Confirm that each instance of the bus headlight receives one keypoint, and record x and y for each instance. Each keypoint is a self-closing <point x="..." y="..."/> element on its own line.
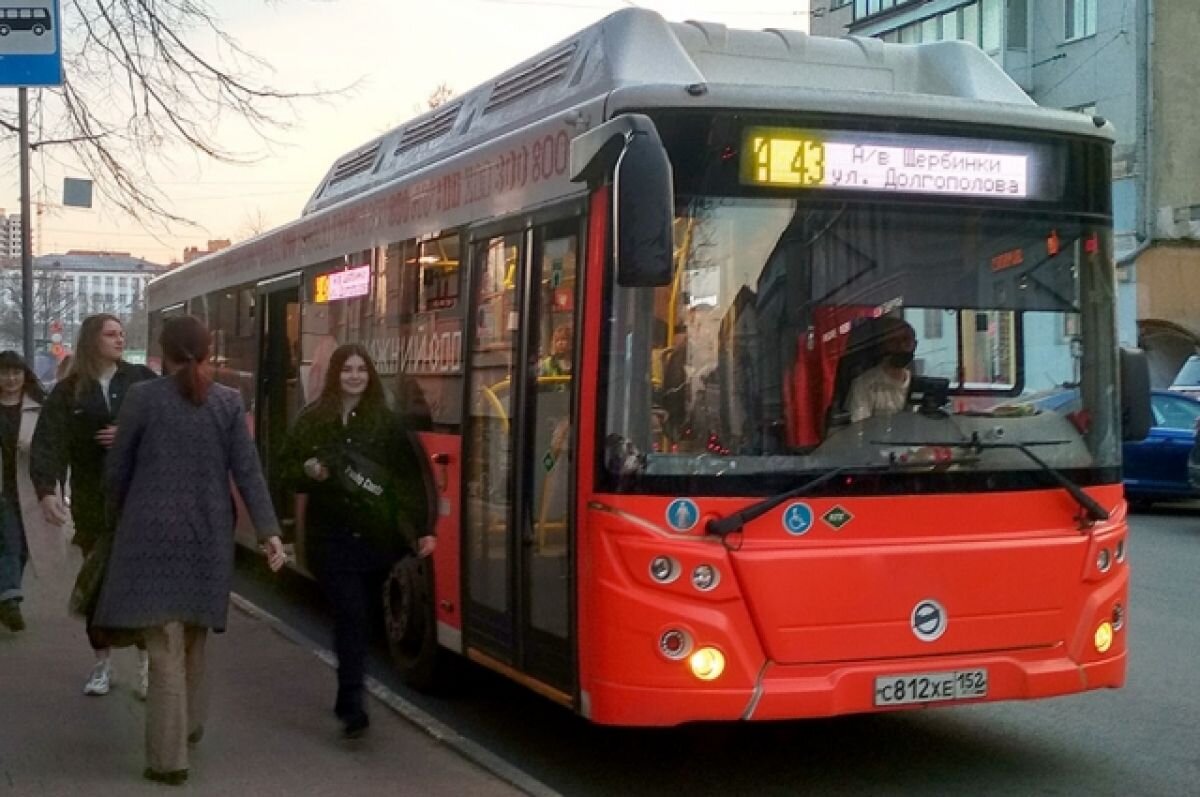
<point x="1103" y="638"/>
<point x="664" y="569"/>
<point x="705" y="577"/>
<point x="707" y="664"/>
<point x="674" y="644"/>
<point x="1103" y="560"/>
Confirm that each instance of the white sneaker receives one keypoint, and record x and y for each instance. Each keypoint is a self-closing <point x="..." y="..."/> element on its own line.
<point x="143" y="684"/>
<point x="98" y="683"/>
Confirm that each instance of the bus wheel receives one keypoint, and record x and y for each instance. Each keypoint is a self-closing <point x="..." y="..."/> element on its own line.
<point x="4" y="30"/>
<point x="38" y="30"/>
<point x="409" y="621"/>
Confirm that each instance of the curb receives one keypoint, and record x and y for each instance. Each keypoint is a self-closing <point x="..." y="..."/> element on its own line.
<point x="472" y="751"/>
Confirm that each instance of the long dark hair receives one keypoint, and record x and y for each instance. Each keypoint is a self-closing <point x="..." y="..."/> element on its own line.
<point x="330" y="400"/>
<point x="86" y="365"/>
<point x="11" y="361"/>
<point x="185" y="341"/>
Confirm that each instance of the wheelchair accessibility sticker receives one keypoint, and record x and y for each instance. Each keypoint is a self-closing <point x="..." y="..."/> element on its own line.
<point x="682" y="514"/>
<point x="797" y="519"/>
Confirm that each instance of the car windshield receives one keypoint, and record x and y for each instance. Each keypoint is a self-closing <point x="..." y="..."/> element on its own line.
<point x="1189" y="374"/>
<point x="799" y="336"/>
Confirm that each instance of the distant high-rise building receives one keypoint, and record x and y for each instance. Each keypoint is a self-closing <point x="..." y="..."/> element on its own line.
<point x="10" y="234"/>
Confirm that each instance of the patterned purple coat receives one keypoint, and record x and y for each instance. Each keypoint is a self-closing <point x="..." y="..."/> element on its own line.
<point x="168" y="475"/>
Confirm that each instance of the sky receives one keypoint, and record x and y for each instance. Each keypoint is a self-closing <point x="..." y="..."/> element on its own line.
<point x="393" y="53"/>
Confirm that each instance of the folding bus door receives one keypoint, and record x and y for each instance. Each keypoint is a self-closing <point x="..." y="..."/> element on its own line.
<point x="278" y="382"/>
<point x="518" y="463"/>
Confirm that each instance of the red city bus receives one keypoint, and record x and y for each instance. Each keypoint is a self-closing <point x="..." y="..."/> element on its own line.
<point x="652" y="298"/>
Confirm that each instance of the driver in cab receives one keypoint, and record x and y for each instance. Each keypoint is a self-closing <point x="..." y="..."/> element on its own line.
<point x="883" y="389"/>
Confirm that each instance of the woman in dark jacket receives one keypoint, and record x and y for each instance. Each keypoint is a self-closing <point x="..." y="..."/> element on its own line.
<point x="342" y="444"/>
<point x="181" y="441"/>
<point x="76" y="428"/>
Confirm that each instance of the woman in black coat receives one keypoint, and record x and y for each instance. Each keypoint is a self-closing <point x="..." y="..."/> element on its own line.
<point x="76" y="428"/>
<point x="365" y="497"/>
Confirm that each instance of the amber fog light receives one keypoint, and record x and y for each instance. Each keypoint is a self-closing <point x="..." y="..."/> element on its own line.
<point x="705" y="577"/>
<point x="664" y="569"/>
<point x="1103" y="638"/>
<point x="1104" y="560"/>
<point x="707" y="664"/>
<point x="1118" y="617"/>
<point x="674" y="644"/>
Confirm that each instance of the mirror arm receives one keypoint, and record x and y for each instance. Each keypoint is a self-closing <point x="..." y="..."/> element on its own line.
<point x="593" y="153"/>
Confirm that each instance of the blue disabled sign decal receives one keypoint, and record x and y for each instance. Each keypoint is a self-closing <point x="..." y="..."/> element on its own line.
<point x="682" y="514"/>
<point x="30" y="43"/>
<point x="797" y="518"/>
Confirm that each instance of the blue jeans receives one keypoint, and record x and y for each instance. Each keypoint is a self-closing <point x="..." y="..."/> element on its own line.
<point x="13" y="551"/>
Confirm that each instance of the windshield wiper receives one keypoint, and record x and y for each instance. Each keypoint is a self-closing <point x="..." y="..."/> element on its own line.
<point x="735" y="522"/>
<point x="1089" y="505"/>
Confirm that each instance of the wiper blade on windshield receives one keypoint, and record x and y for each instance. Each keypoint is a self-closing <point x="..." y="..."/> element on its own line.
<point x="1089" y="505"/>
<point x="731" y="523"/>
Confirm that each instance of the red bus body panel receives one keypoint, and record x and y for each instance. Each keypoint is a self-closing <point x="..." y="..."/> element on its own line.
<point x="807" y="622"/>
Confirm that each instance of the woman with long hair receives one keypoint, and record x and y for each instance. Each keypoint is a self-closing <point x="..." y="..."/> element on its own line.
<point x="181" y="440"/>
<point x="23" y="532"/>
<point x="366" y="503"/>
<point x="73" y="435"/>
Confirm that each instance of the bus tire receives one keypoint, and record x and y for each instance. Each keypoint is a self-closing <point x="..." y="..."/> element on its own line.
<point x="408" y="612"/>
<point x="4" y="29"/>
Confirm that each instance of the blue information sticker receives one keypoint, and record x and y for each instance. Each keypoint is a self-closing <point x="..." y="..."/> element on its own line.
<point x="797" y="518"/>
<point x="682" y="514"/>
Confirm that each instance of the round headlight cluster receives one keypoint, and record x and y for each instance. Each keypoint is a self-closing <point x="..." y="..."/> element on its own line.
<point x="1104" y="560"/>
<point x="1121" y="550"/>
<point x="705" y="577"/>
<point x="674" y="644"/>
<point x="664" y="569"/>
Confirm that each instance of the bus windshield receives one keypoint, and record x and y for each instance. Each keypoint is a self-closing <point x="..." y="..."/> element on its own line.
<point x="800" y="335"/>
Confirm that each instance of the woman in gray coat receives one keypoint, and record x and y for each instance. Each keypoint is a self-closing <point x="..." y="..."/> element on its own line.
<point x="178" y="442"/>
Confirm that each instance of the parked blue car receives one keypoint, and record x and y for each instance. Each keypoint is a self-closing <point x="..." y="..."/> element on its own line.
<point x="1157" y="468"/>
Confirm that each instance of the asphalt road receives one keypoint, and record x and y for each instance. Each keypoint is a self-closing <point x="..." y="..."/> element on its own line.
<point x="1140" y="740"/>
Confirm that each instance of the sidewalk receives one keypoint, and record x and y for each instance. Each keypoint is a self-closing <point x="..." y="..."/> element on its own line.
<point x="271" y="729"/>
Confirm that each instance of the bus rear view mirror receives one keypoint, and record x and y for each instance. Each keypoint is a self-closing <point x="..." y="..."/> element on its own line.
<point x="629" y="148"/>
<point x="1136" y="416"/>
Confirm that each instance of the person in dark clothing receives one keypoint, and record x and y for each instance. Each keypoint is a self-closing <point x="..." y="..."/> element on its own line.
<point x="349" y="436"/>
<point x="76" y="428"/>
<point x="23" y="533"/>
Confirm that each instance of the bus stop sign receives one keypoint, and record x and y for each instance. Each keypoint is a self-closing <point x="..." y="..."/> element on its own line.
<point x="30" y="43"/>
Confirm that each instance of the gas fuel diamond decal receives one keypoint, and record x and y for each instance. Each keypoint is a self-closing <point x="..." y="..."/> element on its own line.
<point x="837" y="517"/>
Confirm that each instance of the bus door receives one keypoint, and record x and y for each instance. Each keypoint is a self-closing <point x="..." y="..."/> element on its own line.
<point x="278" y="381"/>
<point x="519" y="468"/>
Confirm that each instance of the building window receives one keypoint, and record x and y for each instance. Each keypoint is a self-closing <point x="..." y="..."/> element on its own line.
<point x="931" y="29"/>
<point x="869" y="8"/>
<point x="1018" y="25"/>
<point x="990" y="28"/>
<point x="933" y="323"/>
<point x="1079" y="19"/>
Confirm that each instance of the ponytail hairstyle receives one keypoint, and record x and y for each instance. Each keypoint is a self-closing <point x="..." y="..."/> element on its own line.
<point x="185" y="342"/>
<point x="11" y="361"/>
<point x="87" y="364"/>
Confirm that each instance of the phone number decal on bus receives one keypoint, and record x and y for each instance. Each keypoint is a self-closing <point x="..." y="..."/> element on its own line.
<point x="930" y="687"/>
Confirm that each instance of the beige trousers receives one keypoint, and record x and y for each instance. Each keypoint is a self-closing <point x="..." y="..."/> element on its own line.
<point x="177" y="701"/>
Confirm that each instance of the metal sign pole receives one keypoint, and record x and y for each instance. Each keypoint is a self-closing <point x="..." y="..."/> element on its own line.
<point x="26" y="236"/>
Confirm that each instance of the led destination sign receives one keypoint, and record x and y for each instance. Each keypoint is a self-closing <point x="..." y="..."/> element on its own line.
<point x="337" y="285"/>
<point x="889" y="163"/>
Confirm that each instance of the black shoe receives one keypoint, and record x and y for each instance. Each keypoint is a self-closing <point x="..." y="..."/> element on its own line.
<point x="176" y="777"/>
<point x="355" y="727"/>
<point x="10" y="615"/>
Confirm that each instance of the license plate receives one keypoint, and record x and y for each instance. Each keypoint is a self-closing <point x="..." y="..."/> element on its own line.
<point x="930" y="687"/>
